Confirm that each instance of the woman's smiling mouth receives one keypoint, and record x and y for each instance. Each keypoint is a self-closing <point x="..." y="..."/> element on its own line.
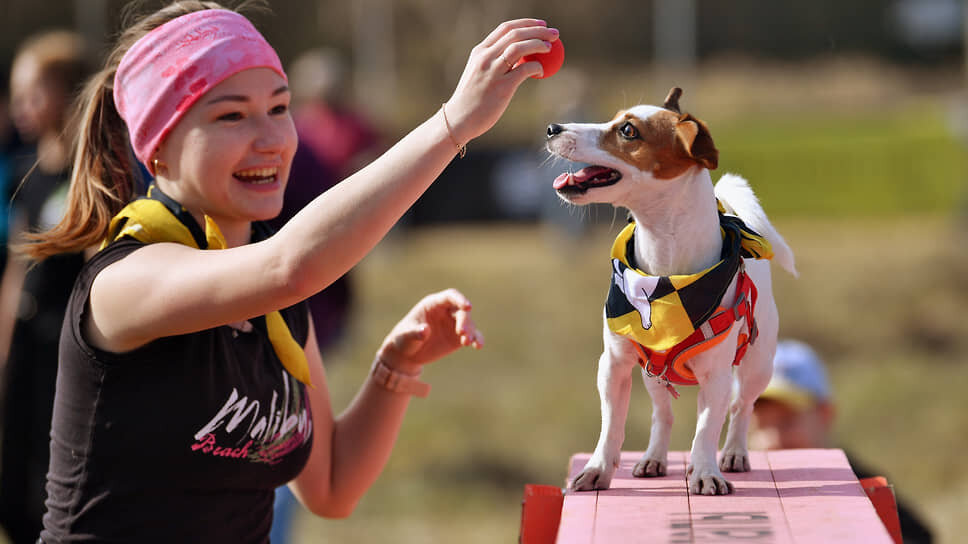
<point x="257" y="176"/>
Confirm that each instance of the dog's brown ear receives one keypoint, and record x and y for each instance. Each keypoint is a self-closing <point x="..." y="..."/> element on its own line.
<point x="672" y="100"/>
<point x="695" y="141"/>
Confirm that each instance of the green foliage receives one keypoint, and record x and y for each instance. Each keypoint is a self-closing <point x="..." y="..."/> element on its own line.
<point x="875" y="164"/>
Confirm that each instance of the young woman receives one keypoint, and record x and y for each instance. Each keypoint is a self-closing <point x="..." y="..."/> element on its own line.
<point x="182" y="394"/>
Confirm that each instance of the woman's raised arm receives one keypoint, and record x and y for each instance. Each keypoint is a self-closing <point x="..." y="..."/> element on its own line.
<point x="184" y="290"/>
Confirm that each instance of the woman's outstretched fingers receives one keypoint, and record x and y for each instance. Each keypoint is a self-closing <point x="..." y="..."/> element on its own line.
<point x="515" y="52"/>
<point x="456" y="299"/>
<point x="488" y="81"/>
<point x="466" y="330"/>
<point x="525" y="41"/>
<point x="508" y="26"/>
<point x="436" y="326"/>
<point x="464" y="327"/>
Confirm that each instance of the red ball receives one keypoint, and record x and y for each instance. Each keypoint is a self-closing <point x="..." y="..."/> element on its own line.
<point x="550" y="61"/>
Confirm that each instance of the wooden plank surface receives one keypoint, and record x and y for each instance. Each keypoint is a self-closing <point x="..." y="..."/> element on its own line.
<point x="577" y="525"/>
<point x="789" y="496"/>
<point x="753" y="513"/>
<point x="624" y="501"/>
<point x="822" y="498"/>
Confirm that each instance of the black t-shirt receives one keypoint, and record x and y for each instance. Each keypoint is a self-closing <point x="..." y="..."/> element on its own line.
<point x="181" y="440"/>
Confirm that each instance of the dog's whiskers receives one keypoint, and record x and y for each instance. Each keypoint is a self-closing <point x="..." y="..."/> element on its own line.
<point x="611" y="225"/>
<point x="573" y="210"/>
<point x="549" y="159"/>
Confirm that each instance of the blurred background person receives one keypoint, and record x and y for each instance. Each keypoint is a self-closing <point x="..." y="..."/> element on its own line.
<point x="9" y="144"/>
<point x="47" y="70"/>
<point x="329" y="122"/>
<point x="797" y="410"/>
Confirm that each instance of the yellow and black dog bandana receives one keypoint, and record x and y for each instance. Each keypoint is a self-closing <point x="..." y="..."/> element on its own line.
<point x="158" y="218"/>
<point x="659" y="312"/>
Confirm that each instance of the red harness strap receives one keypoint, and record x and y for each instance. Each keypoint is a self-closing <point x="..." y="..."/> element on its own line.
<point x="669" y="365"/>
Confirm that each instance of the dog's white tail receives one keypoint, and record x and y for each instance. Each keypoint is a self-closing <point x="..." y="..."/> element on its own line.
<point x="738" y="198"/>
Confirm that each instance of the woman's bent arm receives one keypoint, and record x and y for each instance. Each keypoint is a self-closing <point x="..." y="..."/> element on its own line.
<point x="350" y="452"/>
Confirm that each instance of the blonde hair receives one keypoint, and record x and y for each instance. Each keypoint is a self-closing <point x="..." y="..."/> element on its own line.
<point x="104" y="169"/>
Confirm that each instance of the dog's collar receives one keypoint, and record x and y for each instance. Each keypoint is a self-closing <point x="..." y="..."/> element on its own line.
<point x="659" y="312"/>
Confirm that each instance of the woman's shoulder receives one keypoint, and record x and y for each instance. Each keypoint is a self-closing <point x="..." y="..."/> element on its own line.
<point x="113" y="252"/>
<point x="105" y="257"/>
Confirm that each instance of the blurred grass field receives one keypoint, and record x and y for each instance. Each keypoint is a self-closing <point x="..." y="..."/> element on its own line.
<point x="872" y="205"/>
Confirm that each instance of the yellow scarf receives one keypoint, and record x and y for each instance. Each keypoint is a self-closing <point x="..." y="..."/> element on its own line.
<point x="661" y="311"/>
<point x="158" y="218"/>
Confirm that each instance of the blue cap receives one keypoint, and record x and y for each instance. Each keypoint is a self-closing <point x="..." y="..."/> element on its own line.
<point x="799" y="376"/>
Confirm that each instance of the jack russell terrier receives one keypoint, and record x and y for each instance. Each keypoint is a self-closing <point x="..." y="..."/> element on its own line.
<point x="690" y="293"/>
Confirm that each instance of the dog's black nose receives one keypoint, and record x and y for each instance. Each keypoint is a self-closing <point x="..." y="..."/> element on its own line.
<point x="554" y="129"/>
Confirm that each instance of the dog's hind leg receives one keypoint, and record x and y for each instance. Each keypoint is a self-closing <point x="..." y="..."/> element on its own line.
<point x="614" y="387"/>
<point x="753" y="373"/>
<point x="656" y="458"/>
<point x="752" y="376"/>
<point x="735" y="455"/>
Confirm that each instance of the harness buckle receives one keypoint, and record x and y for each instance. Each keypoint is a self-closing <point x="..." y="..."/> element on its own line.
<point x="648" y="367"/>
<point x="671" y="388"/>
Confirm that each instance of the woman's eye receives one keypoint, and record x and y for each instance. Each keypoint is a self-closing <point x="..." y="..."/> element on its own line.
<point x="234" y="116"/>
<point x="629" y="131"/>
<point x="279" y="110"/>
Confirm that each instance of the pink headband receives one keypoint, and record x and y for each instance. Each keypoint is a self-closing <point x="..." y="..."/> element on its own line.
<point x="172" y="66"/>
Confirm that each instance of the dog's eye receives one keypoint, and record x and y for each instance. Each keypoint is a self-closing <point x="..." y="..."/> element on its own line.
<point x="629" y="131"/>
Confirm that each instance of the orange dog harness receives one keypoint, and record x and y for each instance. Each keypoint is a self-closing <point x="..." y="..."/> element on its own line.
<point x="669" y="365"/>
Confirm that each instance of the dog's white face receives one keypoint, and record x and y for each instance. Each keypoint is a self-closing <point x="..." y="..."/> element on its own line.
<point x="639" y="146"/>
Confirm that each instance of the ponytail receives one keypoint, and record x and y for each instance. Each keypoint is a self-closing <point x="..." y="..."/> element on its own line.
<point x="105" y="171"/>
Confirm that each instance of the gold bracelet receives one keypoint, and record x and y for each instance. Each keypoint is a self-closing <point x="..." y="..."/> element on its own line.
<point x="461" y="148"/>
<point x="396" y="381"/>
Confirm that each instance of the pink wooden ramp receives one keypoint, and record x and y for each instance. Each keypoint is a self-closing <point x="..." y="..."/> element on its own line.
<point x="790" y="496"/>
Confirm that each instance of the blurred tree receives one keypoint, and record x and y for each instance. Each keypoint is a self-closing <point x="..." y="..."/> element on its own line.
<point x="407" y="54"/>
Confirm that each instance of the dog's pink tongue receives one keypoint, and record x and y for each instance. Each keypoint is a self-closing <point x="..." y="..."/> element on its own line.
<point x="563" y="180"/>
<point x="580" y="176"/>
<point x="590" y="172"/>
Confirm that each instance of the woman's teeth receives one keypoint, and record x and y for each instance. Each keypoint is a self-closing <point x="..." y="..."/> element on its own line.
<point x="257" y="175"/>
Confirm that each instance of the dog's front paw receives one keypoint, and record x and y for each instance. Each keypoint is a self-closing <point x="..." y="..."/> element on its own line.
<point x="592" y="478"/>
<point x="650" y="468"/>
<point x="735" y="462"/>
<point x="707" y="482"/>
